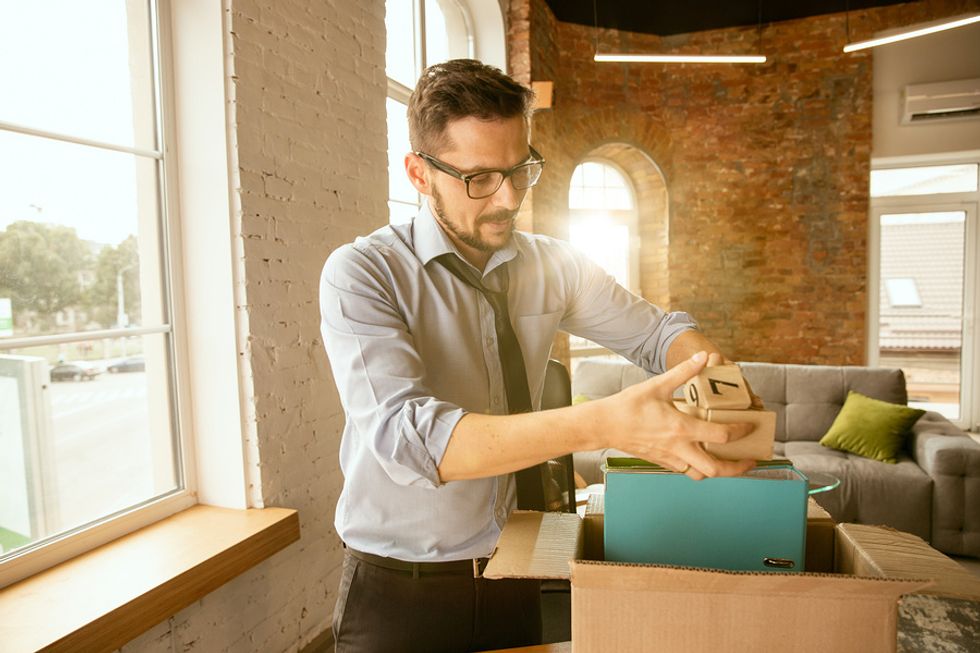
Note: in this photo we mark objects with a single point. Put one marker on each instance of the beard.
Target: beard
(472, 238)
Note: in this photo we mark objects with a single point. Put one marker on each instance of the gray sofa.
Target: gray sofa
(933, 491)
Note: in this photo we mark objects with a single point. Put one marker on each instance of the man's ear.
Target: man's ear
(417, 173)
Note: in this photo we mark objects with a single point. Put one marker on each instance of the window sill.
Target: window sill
(108, 596)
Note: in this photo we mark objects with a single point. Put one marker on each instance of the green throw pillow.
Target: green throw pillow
(871, 428)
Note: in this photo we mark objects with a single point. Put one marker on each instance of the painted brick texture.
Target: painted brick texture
(309, 137)
(766, 169)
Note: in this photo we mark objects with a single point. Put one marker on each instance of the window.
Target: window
(420, 33)
(603, 226)
(924, 180)
(87, 409)
(924, 282)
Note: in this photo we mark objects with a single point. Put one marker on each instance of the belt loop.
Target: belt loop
(477, 573)
(415, 571)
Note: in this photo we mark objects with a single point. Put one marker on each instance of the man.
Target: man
(425, 375)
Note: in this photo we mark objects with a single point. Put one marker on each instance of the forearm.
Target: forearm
(689, 343)
(640, 420)
(490, 445)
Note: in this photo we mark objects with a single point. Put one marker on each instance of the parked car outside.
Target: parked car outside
(131, 364)
(74, 372)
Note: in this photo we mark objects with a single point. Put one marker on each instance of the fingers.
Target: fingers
(692, 428)
(704, 465)
(679, 374)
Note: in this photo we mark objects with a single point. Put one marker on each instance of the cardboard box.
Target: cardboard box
(753, 522)
(627, 607)
(820, 537)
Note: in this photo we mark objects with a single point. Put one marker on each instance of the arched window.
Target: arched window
(603, 219)
(421, 33)
(602, 224)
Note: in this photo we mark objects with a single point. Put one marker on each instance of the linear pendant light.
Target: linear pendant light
(949, 23)
(674, 58)
(679, 58)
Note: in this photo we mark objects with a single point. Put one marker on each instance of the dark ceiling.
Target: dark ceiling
(682, 16)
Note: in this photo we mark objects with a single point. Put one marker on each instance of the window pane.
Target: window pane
(923, 254)
(79, 68)
(400, 59)
(608, 245)
(85, 430)
(399, 187)
(78, 237)
(924, 180)
(436, 34)
(598, 186)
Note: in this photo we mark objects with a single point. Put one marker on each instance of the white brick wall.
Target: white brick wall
(309, 106)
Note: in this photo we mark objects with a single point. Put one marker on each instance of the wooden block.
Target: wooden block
(757, 445)
(720, 386)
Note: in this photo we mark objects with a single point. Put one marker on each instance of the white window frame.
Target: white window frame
(966, 202)
(217, 434)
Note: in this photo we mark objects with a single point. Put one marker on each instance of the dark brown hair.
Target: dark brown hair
(461, 88)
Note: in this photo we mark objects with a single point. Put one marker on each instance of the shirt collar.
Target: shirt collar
(431, 241)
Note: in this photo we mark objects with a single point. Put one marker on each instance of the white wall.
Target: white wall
(940, 57)
(306, 103)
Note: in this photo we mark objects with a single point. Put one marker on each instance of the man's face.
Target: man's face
(479, 227)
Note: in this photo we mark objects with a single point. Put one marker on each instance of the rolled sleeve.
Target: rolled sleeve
(389, 410)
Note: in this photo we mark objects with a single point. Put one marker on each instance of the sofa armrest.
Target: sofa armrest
(952, 459)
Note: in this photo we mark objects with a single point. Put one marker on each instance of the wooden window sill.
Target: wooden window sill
(106, 597)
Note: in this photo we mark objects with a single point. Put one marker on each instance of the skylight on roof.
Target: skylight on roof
(903, 292)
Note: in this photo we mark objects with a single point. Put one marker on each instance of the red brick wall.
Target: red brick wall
(766, 169)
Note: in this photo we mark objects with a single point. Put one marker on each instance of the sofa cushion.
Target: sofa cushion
(870, 492)
(595, 378)
(807, 398)
(871, 428)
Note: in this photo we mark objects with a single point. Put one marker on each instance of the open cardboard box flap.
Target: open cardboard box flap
(883, 551)
(536, 545)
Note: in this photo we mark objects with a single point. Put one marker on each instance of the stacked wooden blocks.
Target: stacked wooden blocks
(720, 394)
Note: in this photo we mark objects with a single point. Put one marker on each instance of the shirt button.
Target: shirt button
(489, 342)
(496, 401)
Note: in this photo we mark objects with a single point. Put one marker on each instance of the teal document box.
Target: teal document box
(755, 522)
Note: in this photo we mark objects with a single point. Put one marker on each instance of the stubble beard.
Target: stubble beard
(472, 238)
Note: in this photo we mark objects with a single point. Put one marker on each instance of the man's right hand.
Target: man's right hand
(642, 421)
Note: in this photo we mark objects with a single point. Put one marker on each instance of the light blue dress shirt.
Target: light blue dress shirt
(413, 349)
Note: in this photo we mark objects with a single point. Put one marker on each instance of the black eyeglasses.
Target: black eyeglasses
(485, 183)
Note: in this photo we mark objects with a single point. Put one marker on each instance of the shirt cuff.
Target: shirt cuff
(674, 325)
(423, 432)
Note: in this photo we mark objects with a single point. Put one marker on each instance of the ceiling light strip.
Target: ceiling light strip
(679, 58)
(902, 36)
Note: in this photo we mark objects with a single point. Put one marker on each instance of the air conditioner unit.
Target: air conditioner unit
(925, 103)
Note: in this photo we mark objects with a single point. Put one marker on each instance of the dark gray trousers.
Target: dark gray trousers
(386, 610)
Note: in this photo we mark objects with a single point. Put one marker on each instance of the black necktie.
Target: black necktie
(530, 493)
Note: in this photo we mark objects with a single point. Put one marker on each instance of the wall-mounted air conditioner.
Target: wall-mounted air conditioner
(927, 103)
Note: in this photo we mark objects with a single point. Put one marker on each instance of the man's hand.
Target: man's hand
(642, 420)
